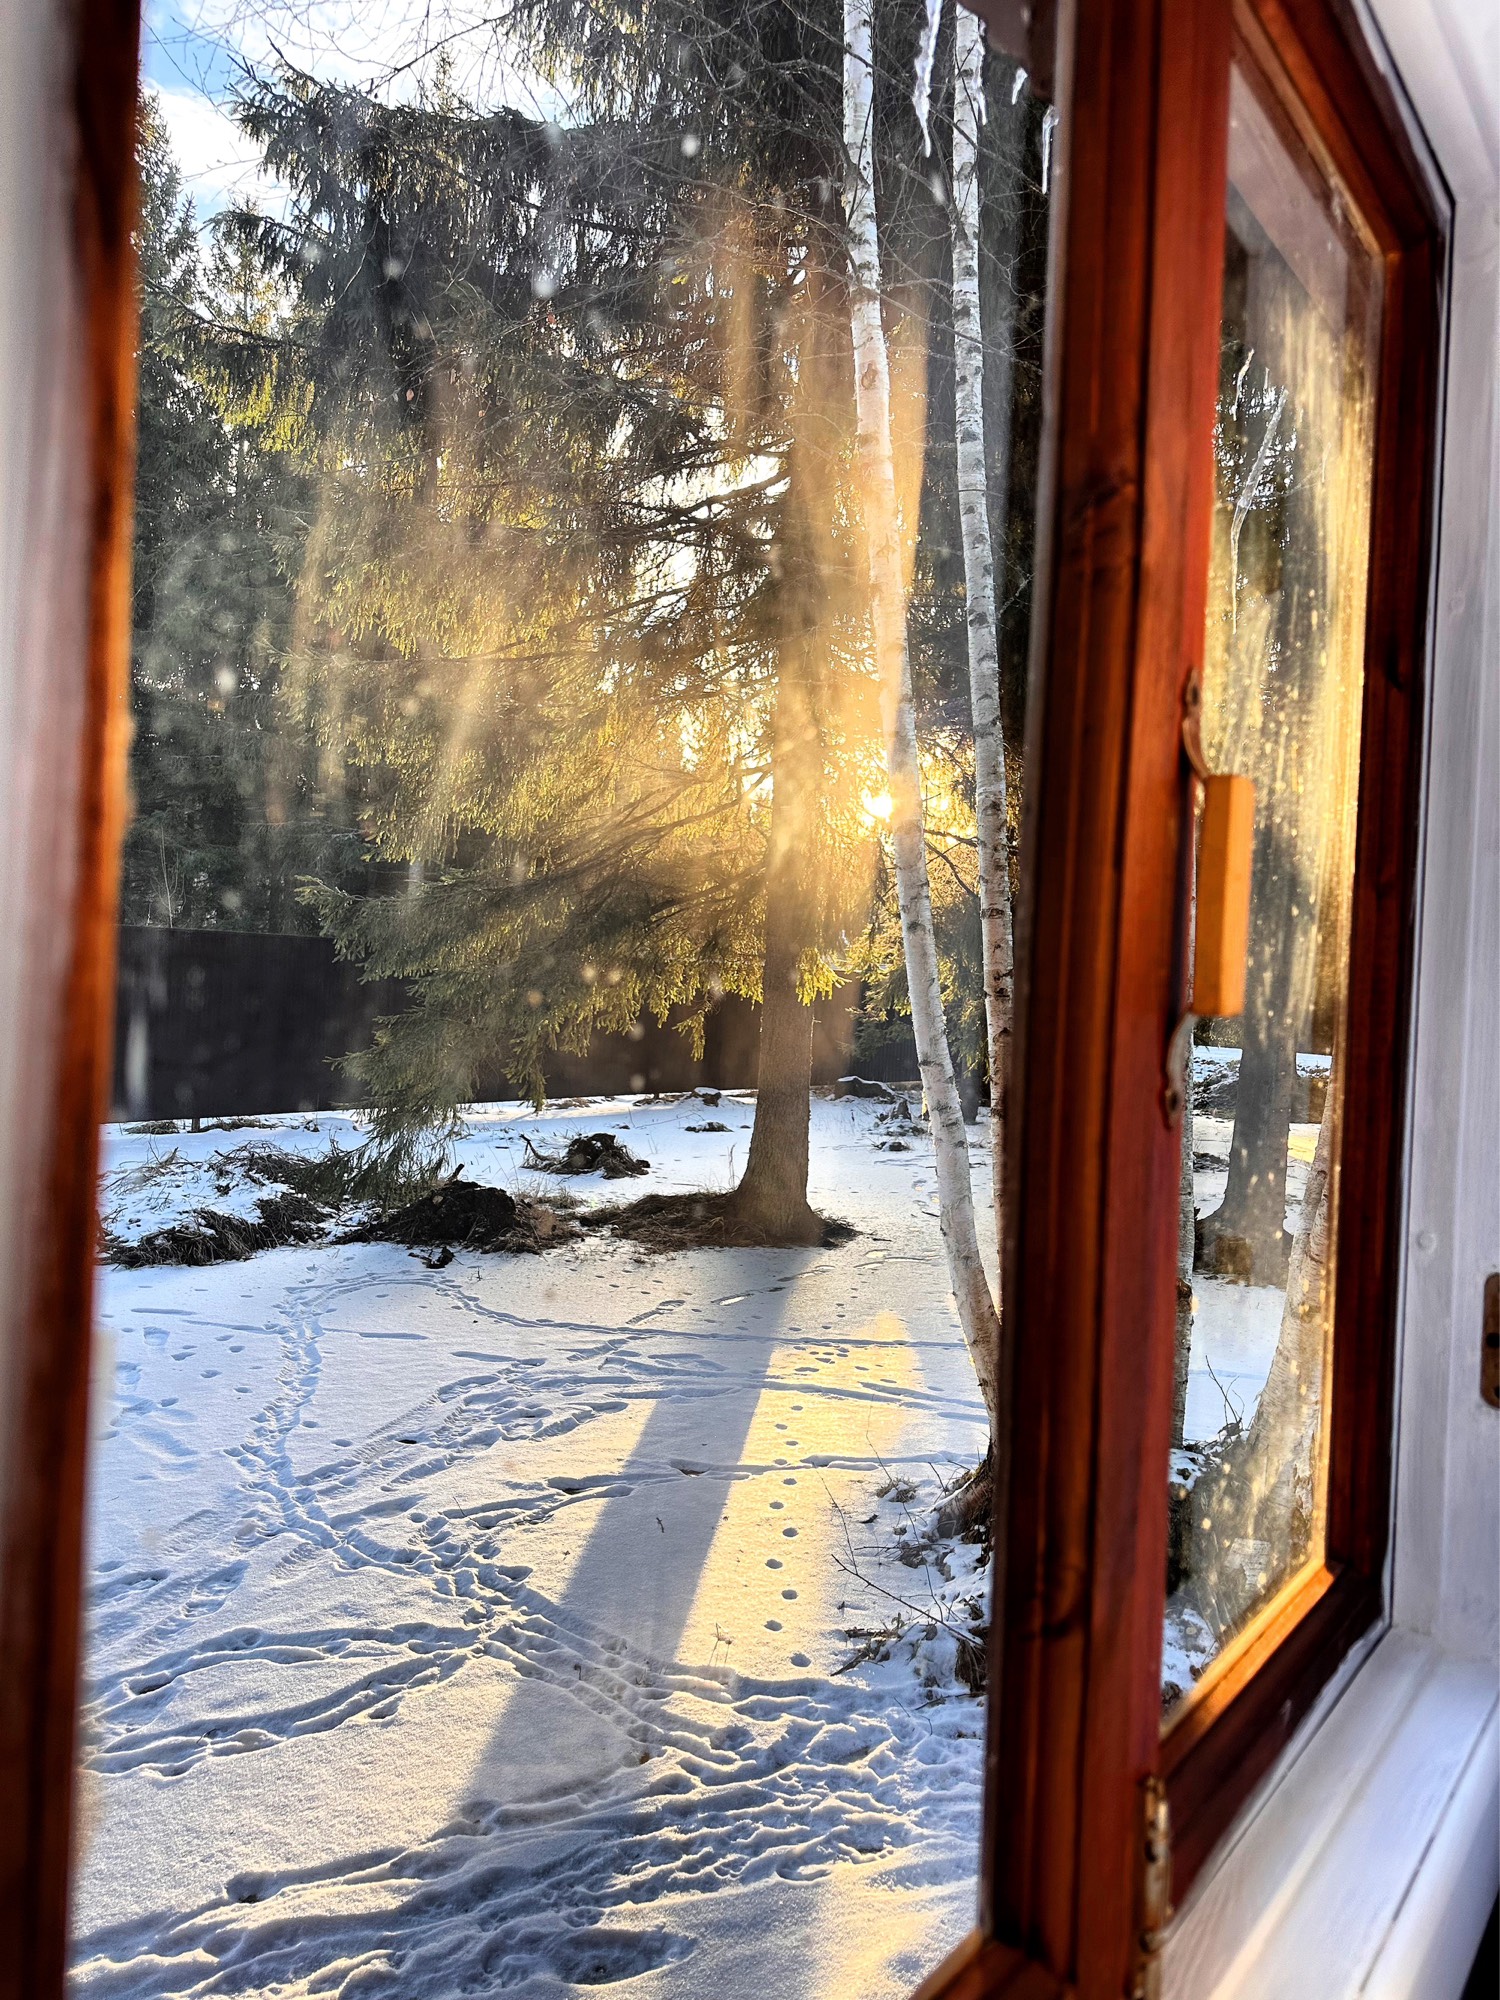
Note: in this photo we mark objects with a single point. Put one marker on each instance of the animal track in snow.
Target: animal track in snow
(463, 1518)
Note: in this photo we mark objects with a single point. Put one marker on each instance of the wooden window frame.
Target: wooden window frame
(1076, 1747)
(78, 701)
(1123, 524)
(1226, 1741)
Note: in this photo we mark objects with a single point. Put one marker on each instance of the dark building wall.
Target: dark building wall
(216, 1024)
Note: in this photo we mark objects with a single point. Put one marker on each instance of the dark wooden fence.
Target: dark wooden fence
(216, 1024)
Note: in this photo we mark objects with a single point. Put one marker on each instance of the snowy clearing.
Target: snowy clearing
(543, 1622)
(490, 1626)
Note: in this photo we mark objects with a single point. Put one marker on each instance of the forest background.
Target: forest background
(376, 692)
(584, 526)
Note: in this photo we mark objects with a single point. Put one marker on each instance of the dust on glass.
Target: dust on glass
(1282, 680)
(548, 1303)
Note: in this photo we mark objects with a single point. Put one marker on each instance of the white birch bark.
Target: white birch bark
(991, 807)
(976, 1307)
(1267, 1500)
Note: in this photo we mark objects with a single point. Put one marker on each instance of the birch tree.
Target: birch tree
(1263, 1501)
(976, 1306)
(991, 806)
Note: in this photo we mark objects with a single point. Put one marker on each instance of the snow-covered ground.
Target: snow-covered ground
(504, 1626)
(488, 1628)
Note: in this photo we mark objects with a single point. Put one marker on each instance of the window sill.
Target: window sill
(1368, 1865)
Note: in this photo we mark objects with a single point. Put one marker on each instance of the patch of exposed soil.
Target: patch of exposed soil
(707, 1221)
(588, 1153)
(463, 1213)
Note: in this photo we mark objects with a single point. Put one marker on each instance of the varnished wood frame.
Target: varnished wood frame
(73, 888)
(1123, 558)
(1122, 567)
(1122, 562)
(1091, 1237)
(1226, 1741)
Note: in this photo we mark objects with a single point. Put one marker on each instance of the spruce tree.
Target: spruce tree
(582, 597)
(548, 386)
(231, 806)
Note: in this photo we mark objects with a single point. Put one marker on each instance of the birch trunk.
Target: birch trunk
(1187, 1220)
(976, 1306)
(1267, 1497)
(991, 806)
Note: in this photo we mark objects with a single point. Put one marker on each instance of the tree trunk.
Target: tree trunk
(976, 1306)
(1245, 1236)
(1266, 1496)
(1186, 1224)
(1280, 561)
(976, 469)
(771, 1199)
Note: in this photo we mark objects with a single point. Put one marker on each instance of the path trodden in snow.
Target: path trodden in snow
(487, 1628)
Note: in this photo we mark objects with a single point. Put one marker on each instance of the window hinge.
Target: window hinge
(1154, 1899)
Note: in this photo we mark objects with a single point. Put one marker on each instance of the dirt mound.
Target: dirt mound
(460, 1213)
(588, 1153)
(700, 1221)
(463, 1212)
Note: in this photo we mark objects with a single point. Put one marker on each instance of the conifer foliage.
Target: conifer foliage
(234, 804)
(573, 594)
(572, 404)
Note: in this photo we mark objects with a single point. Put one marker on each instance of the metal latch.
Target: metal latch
(1154, 1898)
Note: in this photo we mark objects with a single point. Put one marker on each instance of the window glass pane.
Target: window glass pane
(582, 584)
(1282, 678)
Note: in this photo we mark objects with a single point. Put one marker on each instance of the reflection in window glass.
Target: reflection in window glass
(1282, 689)
(538, 1509)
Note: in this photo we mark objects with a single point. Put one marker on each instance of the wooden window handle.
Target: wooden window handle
(1221, 925)
(1218, 891)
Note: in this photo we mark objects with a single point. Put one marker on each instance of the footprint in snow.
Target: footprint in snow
(603, 1954)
